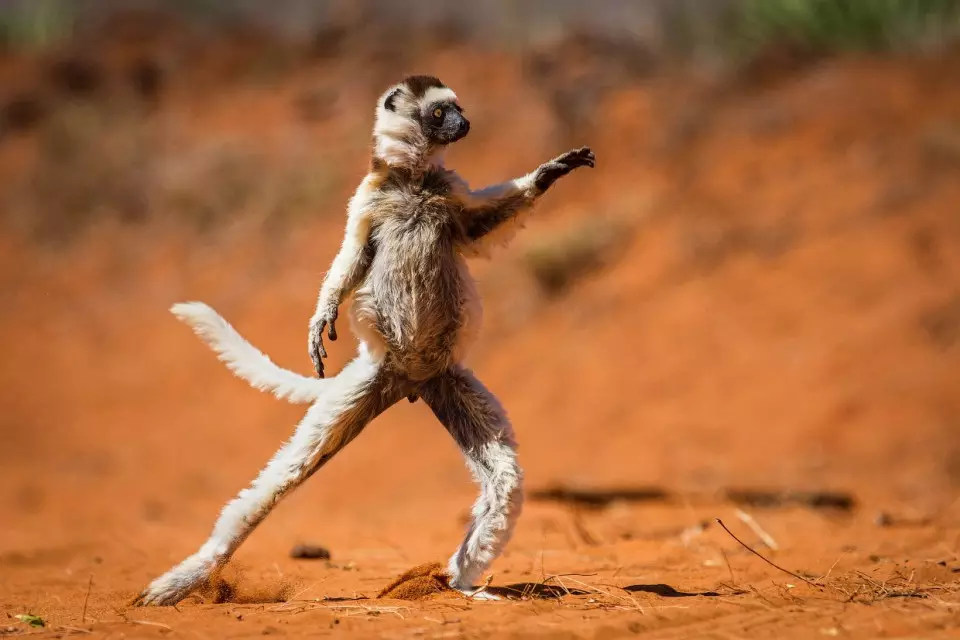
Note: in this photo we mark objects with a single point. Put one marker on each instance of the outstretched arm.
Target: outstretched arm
(346, 272)
(492, 216)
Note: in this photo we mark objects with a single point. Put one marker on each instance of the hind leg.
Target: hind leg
(480, 427)
(360, 392)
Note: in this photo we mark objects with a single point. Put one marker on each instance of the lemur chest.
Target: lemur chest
(415, 256)
(418, 300)
(418, 284)
(415, 229)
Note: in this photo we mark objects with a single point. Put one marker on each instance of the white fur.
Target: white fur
(322, 431)
(438, 94)
(389, 133)
(494, 467)
(245, 360)
(397, 138)
(482, 430)
(355, 237)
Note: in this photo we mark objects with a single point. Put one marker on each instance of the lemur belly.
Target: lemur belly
(418, 302)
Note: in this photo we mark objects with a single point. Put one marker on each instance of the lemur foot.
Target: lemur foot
(176, 584)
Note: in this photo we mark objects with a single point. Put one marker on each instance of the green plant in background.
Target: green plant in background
(35, 24)
(829, 26)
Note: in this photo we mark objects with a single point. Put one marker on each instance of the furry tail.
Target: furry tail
(243, 359)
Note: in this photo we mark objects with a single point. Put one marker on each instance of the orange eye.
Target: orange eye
(437, 112)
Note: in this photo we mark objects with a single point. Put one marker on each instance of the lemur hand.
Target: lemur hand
(318, 323)
(550, 172)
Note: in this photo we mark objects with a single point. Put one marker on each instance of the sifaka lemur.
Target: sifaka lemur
(410, 226)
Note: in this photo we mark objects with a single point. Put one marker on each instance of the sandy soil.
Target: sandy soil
(784, 317)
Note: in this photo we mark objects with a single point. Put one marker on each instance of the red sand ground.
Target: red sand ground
(785, 316)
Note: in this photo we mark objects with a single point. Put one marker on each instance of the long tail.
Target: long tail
(245, 360)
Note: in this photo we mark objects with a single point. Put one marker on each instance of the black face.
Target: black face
(444, 122)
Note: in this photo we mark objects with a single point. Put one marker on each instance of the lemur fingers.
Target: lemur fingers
(550, 172)
(326, 320)
(315, 346)
(582, 157)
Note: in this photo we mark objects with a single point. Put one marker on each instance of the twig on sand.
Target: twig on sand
(74, 629)
(125, 618)
(748, 520)
(772, 564)
(151, 624)
(83, 614)
(359, 608)
(483, 588)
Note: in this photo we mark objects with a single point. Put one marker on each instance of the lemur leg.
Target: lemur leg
(478, 423)
(360, 392)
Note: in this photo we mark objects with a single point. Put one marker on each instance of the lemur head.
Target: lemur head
(416, 119)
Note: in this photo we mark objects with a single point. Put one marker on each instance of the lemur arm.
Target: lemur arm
(492, 216)
(346, 273)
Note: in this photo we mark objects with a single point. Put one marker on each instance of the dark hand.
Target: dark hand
(549, 172)
(315, 344)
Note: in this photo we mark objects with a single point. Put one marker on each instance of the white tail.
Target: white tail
(245, 360)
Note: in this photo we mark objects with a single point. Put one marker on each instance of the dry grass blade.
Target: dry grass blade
(562, 586)
(868, 589)
(625, 598)
(726, 561)
(830, 570)
(772, 564)
(83, 614)
(556, 577)
(748, 520)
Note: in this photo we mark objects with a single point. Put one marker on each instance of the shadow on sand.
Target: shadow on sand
(540, 591)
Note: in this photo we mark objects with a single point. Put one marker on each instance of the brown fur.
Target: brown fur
(418, 85)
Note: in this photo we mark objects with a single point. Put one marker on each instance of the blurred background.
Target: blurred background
(758, 286)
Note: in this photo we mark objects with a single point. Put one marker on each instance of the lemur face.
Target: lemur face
(427, 108)
(443, 122)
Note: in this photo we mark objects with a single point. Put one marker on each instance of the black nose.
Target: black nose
(464, 126)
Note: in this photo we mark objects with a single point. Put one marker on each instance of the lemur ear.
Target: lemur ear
(388, 103)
